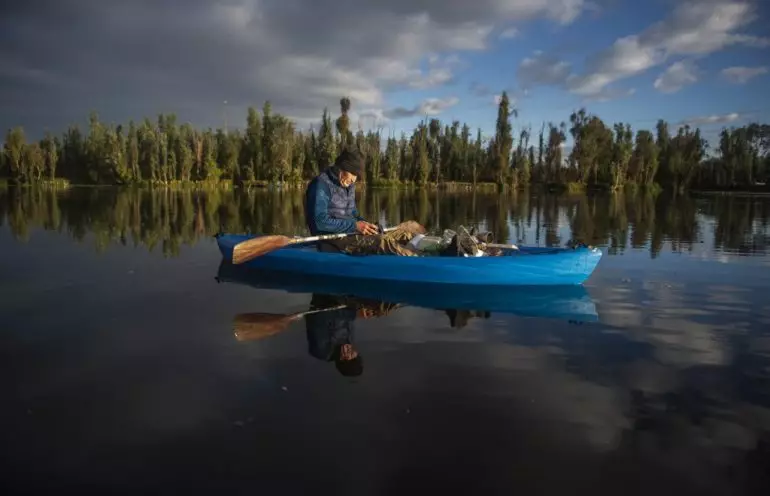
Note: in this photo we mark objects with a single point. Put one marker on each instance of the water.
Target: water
(122, 371)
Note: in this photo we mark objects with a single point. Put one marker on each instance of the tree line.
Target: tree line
(270, 149)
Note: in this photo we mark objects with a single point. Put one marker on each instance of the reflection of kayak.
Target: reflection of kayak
(562, 302)
(528, 266)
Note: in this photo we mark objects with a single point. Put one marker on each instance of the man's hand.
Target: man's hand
(366, 228)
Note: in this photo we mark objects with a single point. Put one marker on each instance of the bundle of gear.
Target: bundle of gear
(460, 243)
(405, 242)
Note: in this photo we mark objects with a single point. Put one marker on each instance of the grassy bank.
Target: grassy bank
(58, 183)
(569, 188)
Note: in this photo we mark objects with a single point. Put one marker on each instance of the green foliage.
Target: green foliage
(343, 124)
(503, 140)
(270, 149)
(623, 149)
(13, 151)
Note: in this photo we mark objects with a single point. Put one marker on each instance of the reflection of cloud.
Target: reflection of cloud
(684, 332)
(651, 377)
(536, 384)
(685, 343)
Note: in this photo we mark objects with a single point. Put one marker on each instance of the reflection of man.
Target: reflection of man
(330, 335)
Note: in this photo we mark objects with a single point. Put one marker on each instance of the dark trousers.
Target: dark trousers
(391, 243)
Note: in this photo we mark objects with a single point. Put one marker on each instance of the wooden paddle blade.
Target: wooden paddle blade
(256, 247)
(253, 326)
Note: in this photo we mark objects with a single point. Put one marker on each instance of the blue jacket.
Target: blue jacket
(330, 208)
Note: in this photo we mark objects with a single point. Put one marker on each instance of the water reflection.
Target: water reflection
(329, 327)
(336, 303)
(169, 219)
(560, 302)
(663, 389)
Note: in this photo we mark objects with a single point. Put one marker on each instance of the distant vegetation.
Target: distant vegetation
(271, 150)
(165, 220)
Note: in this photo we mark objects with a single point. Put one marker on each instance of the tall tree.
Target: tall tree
(343, 124)
(503, 139)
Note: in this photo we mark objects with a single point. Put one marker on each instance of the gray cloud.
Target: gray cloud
(133, 59)
(429, 107)
(543, 69)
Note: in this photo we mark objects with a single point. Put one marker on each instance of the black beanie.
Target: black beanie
(350, 368)
(350, 161)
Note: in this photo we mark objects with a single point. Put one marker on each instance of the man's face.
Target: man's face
(346, 178)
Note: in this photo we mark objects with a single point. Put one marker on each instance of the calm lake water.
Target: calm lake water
(122, 372)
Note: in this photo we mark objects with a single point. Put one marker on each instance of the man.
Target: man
(330, 208)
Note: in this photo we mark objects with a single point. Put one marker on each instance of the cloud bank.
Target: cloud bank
(132, 59)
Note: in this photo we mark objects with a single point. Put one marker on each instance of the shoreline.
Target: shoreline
(450, 186)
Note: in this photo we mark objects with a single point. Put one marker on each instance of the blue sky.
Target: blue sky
(701, 61)
(709, 94)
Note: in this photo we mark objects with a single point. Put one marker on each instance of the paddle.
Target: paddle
(256, 247)
(255, 325)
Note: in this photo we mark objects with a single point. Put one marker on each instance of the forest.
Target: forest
(271, 150)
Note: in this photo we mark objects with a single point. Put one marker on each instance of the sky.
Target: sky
(702, 62)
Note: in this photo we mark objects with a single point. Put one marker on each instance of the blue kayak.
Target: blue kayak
(559, 302)
(527, 266)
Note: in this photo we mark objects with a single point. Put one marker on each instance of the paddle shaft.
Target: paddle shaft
(324, 237)
(318, 310)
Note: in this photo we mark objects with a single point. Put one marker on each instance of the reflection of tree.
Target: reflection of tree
(676, 222)
(741, 223)
(551, 220)
(641, 215)
(169, 219)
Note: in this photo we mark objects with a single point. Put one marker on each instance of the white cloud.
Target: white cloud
(677, 76)
(509, 33)
(695, 28)
(440, 72)
(741, 75)
(711, 119)
(541, 69)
